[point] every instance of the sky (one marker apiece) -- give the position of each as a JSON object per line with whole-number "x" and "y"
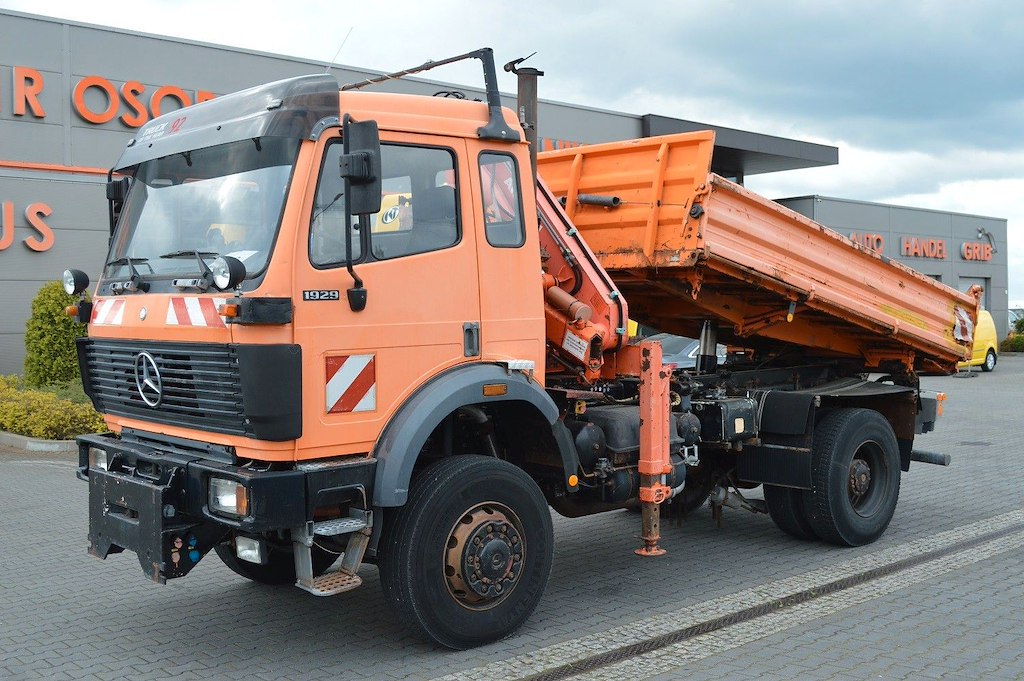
{"x": 925, "y": 100}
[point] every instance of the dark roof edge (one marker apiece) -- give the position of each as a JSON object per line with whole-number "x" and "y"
{"x": 807, "y": 152}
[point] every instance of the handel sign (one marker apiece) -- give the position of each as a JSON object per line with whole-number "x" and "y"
{"x": 95, "y": 100}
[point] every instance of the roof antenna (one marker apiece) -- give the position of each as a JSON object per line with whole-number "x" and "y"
{"x": 340, "y": 47}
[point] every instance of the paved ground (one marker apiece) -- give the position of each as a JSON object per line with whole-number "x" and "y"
{"x": 66, "y": 615}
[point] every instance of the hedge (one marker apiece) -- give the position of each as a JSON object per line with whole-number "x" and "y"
{"x": 1012, "y": 344}
{"x": 42, "y": 414}
{"x": 50, "y": 355}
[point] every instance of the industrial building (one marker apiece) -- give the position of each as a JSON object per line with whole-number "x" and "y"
{"x": 70, "y": 101}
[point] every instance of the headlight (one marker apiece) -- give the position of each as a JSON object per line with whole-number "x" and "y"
{"x": 251, "y": 550}
{"x": 75, "y": 281}
{"x": 97, "y": 458}
{"x": 229, "y": 497}
{"x": 227, "y": 272}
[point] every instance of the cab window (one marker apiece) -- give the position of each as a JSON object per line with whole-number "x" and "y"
{"x": 503, "y": 220}
{"x": 419, "y": 210}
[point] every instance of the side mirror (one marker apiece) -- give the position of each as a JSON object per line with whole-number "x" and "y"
{"x": 117, "y": 191}
{"x": 360, "y": 166}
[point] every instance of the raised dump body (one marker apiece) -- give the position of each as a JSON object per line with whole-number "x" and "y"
{"x": 685, "y": 245}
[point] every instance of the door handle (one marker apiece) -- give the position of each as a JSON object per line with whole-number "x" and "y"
{"x": 471, "y": 339}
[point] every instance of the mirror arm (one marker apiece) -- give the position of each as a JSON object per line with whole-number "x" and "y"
{"x": 356, "y": 294}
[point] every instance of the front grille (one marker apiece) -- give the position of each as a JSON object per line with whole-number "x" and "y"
{"x": 201, "y": 383}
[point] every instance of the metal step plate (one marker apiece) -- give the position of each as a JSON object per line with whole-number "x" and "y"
{"x": 330, "y": 528}
{"x": 331, "y": 583}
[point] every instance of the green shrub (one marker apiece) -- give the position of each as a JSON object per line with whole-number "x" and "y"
{"x": 1018, "y": 325}
{"x": 50, "y": 354}
{"x": 1012, "y": 344}
{"x": 72, "y": 392}
{"x": 37, "y": 413}
{"x": 8, "y": 383}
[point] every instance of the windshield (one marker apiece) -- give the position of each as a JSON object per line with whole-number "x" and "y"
{"x": 222, "y": 200}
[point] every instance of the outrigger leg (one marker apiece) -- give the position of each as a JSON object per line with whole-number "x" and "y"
{"x": 654, "y": 449}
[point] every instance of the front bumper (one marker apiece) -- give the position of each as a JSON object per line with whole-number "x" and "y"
{"x": 155, "y": 502}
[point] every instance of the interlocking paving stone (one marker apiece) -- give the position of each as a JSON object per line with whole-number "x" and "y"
{"x": 58, "y": 605}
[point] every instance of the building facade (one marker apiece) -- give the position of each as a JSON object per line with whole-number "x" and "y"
{"x": 72, "y": 95}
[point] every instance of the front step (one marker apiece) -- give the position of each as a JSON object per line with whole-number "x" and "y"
{"x": 331, "y": 583}
{"x": 336, "y": 526}
{"x": 357, "y": 527}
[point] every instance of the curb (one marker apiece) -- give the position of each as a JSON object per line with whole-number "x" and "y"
{"x": 32, "y": 444}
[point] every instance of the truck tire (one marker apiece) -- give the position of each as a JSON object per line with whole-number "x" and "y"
{"x": 280, "y": 567}
{"x": 855, "y": 469}
{"x": 700, "y": 480}
{"x": 786, "y": 508}
{"x": 466, "y": 560}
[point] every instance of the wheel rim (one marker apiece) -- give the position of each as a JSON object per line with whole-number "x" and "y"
{"x": 867, "y": 479}
{"x": 990, "y": 360}
{"x": 484, "y": 556}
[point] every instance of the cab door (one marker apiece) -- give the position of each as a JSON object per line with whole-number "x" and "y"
{"x": 512, "y": 325}
{"x": 418, "y": 262}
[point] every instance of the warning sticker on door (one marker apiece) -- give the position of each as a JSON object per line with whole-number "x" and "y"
{"x": 351, "y": 383}
{"x": 574, "y": 345}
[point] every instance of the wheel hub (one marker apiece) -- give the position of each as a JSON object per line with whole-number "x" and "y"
{"x": 860, "y": 477}
{"x": 491, "y": 559}
{"x": 484, "y": 557}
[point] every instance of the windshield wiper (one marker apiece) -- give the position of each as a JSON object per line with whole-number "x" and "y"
{"x": 125, "y": 261}
{"x": 206, "y": 276}
{"x": 193, "y": 253}
{"x": 134, "y": 282}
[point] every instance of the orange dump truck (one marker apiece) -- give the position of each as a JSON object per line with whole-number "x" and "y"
{"x": 301, "y": 381}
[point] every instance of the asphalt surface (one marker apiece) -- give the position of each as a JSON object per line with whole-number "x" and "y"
{"x": 65, "y": 615}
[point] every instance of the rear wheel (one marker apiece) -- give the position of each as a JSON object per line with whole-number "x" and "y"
{"x": 466, "y": 560}
{"x": 786, "y": 508}
{"x": 990, "y": 360}
{"x": 855, "y": 466}
{"x": 280, "y": 567}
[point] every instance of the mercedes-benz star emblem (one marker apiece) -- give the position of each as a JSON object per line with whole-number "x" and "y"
{"x": 147, "y": 379}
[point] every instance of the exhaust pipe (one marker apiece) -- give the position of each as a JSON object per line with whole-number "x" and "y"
{"x": 527, "y": 104}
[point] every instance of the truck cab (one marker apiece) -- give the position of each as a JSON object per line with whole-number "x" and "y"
{"x": 255, "y": 403}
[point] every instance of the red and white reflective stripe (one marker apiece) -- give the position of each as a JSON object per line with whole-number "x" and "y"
{"x": 194, "y": 311}
{"x": 108, "y": 312}
{"x": 963, "y": 328}
{"x": 351, "y": 383}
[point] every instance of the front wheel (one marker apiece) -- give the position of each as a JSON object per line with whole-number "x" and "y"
{"x": 855, "y": 466}
{"x": 466, "y": 560}
{"x": 700, "y": 480}
{"x": 990, "y": 360}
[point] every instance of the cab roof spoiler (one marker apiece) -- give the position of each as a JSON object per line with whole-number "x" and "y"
{"x": 285, "y": 108}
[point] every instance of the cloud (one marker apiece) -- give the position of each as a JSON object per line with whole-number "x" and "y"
{"x": 924, "y": 100}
